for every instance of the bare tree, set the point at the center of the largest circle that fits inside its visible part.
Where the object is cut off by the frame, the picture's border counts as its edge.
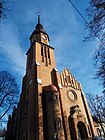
(6, 7)
(96, 27)
(2, 133)
(97, 108)
(100, 65)
(0, 9)
(96, 15)
(8, 92)
(3, 8)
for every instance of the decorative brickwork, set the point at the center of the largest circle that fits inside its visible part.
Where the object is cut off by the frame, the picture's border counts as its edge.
(68, 80)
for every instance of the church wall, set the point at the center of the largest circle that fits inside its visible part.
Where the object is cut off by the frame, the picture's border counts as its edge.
(32, 103)
(45, 68)
(68, 84)
(67, 103)
(89, 115)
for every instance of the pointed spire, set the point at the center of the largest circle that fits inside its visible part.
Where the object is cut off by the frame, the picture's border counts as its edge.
(38, 17)
(39, 26)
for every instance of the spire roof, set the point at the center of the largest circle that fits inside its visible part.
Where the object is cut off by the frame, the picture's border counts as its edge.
(38, 18)
(39, 26)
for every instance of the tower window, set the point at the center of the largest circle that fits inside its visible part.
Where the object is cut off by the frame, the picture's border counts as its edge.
(57, 124)
(49, 56)
(41, 50)
(55, 97)
(32, 40)
(37, 38)
(42, 54)
(45, 51)
(46, 59)
(48, 53)
(56, 136)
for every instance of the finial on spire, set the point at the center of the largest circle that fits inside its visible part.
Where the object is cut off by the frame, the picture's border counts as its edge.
(38, 17)
(39, 26)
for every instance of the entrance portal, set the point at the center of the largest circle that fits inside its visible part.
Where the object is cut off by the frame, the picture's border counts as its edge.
(82, 132)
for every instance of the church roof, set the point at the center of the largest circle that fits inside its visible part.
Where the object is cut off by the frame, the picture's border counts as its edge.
(50, 88)
(39, 28)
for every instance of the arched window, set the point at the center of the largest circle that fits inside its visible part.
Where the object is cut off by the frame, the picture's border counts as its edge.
(56, 136)
(41, 50)
(98, 132)
(45, 52)
(55, 97)
(82, 132)
(48, 53)
(49, 60)
(42, 53)
(57, 124)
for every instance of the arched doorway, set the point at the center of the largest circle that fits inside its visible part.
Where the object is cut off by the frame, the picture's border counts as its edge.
(82, 132)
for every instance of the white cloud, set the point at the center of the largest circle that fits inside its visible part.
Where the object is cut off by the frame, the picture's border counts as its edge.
(11, 47)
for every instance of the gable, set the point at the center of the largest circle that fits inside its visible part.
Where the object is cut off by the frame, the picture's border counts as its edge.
(68, 80)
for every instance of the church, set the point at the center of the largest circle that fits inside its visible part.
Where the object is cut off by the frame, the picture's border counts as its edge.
(52, 105)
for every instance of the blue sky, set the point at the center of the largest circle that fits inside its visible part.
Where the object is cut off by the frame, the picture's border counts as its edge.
(66, 30)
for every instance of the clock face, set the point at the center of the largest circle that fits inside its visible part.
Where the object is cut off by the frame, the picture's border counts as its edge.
(44, 37)
(71, 95)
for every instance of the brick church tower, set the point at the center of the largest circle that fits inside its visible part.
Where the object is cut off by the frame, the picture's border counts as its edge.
(52, 106)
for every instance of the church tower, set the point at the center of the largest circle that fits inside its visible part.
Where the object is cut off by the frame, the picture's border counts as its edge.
(52, 105)
(40, 65)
